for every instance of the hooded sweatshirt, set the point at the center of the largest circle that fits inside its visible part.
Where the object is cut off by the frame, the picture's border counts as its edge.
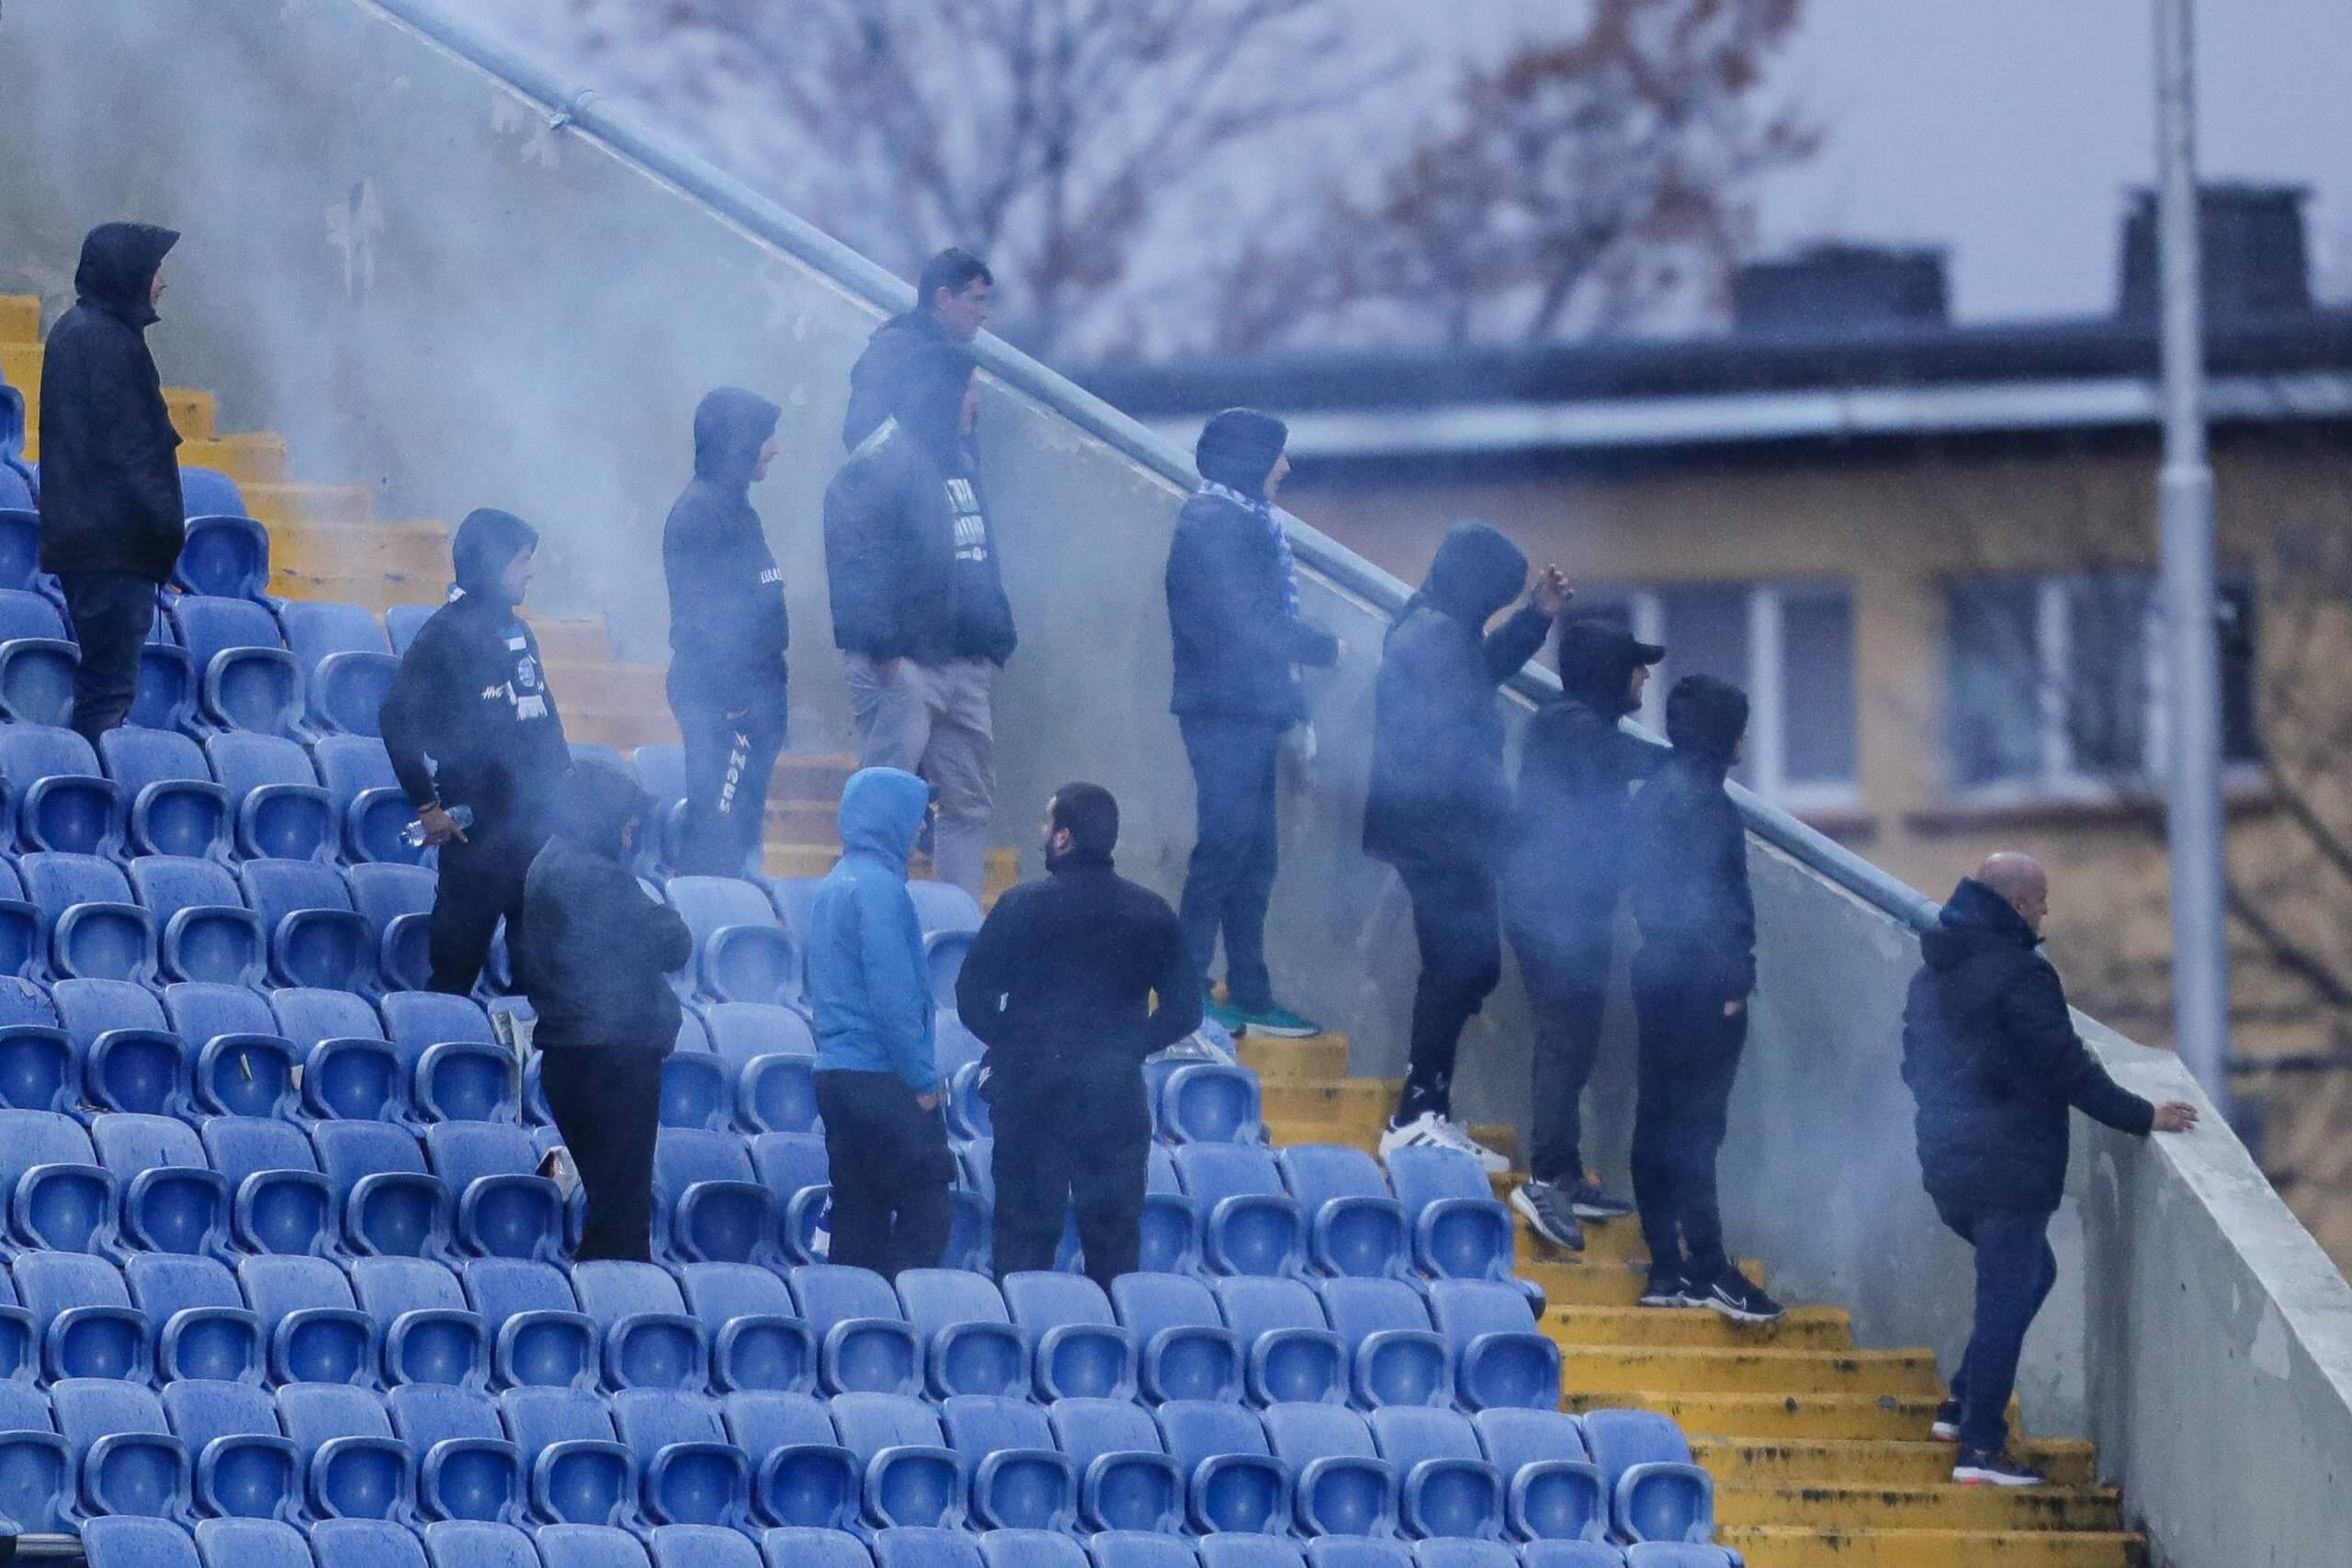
(1992, 1059)
(895, 347)
(596, 951)
(869, 986)
(727, 627)
(471, 694)
(110, 464)
(1439, 799)
(1687, 848)
(1576, 764)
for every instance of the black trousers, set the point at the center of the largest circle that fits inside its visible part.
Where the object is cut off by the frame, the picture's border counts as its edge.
(1564, 962)
(729, 761)
(608, 1104)
(891, 1173)
(1235, 851)
(480, 882)
(111, 611)
(2015, 1270)
(1068, 1143)
(1459, 931)
(1689, 1057)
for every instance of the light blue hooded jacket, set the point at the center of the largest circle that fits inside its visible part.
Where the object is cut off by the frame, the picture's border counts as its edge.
(868, 985)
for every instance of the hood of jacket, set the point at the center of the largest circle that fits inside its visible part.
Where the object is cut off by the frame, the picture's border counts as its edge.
(1705, 718)
(1598, 658)
(731, 426)
(1975, 919)
(926, 394)
(1476, 572)
(1239, 449)
(882, 810)
(599, 798)
(487, 541)
(118, 267)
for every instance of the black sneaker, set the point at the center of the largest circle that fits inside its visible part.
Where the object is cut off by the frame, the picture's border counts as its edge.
(1979, 1468)
(1946, 1428)
(1592, 1203)
(1667, 1289)
(1550, 1213)
(1740, 1299)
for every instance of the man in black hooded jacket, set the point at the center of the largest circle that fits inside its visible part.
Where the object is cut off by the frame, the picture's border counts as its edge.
(594, 957)
(1576, 767)
(471, 696)
(1439, 803)
(951, 307)
(111, 522)
(1991, 1056)
(727, 634)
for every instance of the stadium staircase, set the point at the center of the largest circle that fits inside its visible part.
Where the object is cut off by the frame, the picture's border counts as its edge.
(1819, 1450)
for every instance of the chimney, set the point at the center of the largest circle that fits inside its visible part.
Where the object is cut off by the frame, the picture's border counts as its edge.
(1830, 290)
(2255, 258)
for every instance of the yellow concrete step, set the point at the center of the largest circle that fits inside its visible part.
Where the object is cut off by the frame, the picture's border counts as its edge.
(1764, 1416)
(1320, 1060)
(1790, 1546)
(1710, 1369)
(20, 367)
(248, 458)
(19, 319)
(1572, 1283)
(1944, 1506)
(1620, 1239)
(638, 687)
(1576, 1327)
(1918, 1461)
(782, 859)
(193, 414)
(374, 590)
(811, 775)
(804, 822)
(570, 638)
(327, 505)
(1360, 1104)
(623, 727)
(416, 551)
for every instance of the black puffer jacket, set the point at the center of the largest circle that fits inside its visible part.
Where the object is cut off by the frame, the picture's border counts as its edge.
(109, 462)
(727, 626)
(891, 355)
(1576, 765)
(1994, 1061)
(1439, 798)
(1236, 641)
(596, 949)
(1686, 859)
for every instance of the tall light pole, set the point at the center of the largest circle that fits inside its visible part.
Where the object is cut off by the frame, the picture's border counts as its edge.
(2200, 962)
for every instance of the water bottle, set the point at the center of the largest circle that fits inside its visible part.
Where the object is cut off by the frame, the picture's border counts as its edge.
(413, 834)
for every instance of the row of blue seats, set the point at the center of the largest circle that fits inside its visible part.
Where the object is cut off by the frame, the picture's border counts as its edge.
(226, 552)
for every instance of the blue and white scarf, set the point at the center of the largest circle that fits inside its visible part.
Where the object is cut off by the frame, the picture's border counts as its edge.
(1258, 506)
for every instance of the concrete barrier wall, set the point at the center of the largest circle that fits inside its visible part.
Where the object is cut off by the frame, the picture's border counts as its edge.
(452, 278)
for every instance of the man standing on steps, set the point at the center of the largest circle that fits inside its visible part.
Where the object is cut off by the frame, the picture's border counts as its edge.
(918, 610)
(1576, 769)
(1059, 987)
(111, 520)
(727, 634)
(951, 307)
(469, 721)
(1439, 803)
(1990, 1055)
(1233, 613)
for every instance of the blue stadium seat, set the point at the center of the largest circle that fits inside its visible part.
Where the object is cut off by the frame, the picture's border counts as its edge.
(354, 1468)
(969, 1117)
(1133, 1548)
(812, 1549)
(916, 1548)
(943, 905)
(690, 1473)
(1080, 1350)
(428, 1333)
(80, 1316)
(347, 664)
(373, 809)
(131, 1060)
(316, 1331)
(465, 1468)
(174, 807)
(127, 1541)
(792, 1166)
(1448, 1487)
(1171, 1225)
(769, 1053)
(1499, 1358)
(275, 799)
(243, 1466)
(245, 678)
(717, 1212)
(542, 1339)
(316, 938)
(166, 697)
(226, 557)
(251, 1543)
(1126, 1479)
(1289, 1353)
(279, 1202)
(38, 1478)
(864, 1345)
(19, 1350)
(39, 1069)
(792, 898)
(474, 1543)
(202, 1327)
(243, 1066)
(1397, 1359)
(660, 771)
(172, 1202)
(1452, 1553)
(1030, 1548)
(1231, 1551)
(742, 952)
(701, 1546)
(952, 1045)
(1343, 1486)
(349, 1068)
(943, 956)
(1460, 1232)
(365, 1543)
(1210, 1103)
(58, 1195)
(62, 801)
(402, 622)
(1675, 1555)
(804, 1478)
(1556, 1493)
(1235, 1482)
(37, 662)
(970, 1343)
(397, 903)
(1184, 1350)
(392, 1206)
(649, 1340)
(913, 1478)
(129, 1460)
(96, 932)
(1601, 1554)
(504, 1208)
(1020, 1479)
(1655, 1492)
(206, 933)
(758, 1340)
(457, 1071)
(698, 1091)
(580, 1472)
(24, 933)
(1248, 1224)
(1353, 1226)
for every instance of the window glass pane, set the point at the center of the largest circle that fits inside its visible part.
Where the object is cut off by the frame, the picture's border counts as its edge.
(1817, 680)
(2241, 716)
(1706, 634)
(2107, 674)
(1993, 727)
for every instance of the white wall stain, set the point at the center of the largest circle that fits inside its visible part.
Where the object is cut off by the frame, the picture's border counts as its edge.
(353, 225)
(516, 119)
(2269, 1352)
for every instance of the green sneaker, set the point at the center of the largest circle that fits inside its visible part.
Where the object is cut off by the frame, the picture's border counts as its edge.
(1224, 1016)
(1279, 1024)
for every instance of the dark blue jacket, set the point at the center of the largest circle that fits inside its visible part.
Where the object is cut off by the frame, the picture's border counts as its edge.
(869, 988)
(1236, 641)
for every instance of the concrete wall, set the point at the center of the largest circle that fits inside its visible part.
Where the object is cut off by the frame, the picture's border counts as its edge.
(395, 257)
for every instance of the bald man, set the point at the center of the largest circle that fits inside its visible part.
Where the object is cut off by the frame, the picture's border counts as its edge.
(1992, 1057)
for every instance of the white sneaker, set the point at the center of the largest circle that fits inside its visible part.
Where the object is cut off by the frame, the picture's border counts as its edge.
(1431, 1130)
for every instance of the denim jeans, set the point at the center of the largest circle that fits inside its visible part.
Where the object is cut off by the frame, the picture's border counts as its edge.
(1232, 877)
(2015, 1268)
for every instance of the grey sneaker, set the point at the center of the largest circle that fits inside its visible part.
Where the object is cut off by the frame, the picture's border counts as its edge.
(1976, 1467)
(1592, 1203)
(1550, 1213)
